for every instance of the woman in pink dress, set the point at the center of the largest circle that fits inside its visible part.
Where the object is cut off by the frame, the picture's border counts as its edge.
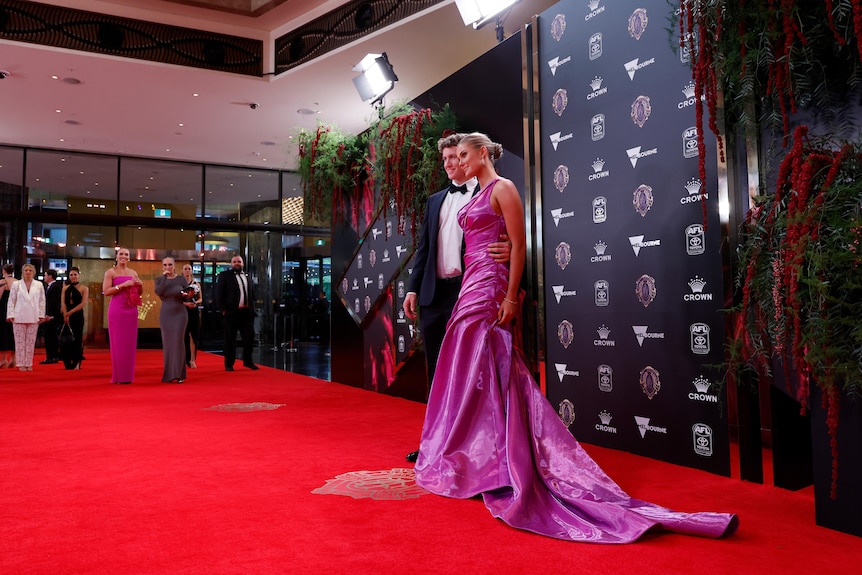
(124, 286)
(488, 428)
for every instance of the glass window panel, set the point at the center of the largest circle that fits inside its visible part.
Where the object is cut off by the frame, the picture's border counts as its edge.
(71, 182)
(242, 195)
(11, 177)
(160, 189)
(292, 202)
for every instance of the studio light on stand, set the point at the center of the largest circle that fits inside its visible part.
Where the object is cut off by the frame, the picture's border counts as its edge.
(376, 80)
(482, 12)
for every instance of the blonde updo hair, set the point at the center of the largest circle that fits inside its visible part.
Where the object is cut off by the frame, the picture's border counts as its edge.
(477, 140)
(30, 267)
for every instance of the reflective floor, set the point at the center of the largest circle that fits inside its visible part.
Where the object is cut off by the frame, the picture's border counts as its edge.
(306, 358)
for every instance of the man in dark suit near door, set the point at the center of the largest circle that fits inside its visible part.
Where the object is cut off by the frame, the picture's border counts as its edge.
(437, 265)
(53, 317)
(235, 300)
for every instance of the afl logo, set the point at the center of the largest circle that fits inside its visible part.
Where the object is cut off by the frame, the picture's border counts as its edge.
(694, 240)
(600, 207)
(606, 378)
(603, 295)
(702, 437)
(699, 338)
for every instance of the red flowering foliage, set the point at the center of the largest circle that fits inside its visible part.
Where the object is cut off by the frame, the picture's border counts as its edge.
(801, 280)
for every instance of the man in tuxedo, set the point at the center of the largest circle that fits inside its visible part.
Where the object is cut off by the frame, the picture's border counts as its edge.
(235, 300)
(53, 317)
(437, 265)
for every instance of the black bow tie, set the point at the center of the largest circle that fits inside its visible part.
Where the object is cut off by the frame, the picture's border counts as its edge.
(237, 272)
(453, 188)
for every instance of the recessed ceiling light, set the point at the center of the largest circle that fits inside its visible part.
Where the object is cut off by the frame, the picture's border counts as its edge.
(72, 122)
(306, 111)
(267, 143)
(72, 81)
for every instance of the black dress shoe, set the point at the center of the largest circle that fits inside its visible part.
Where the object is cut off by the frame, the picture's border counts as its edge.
(251, 366)
(228, 368)
(412, 456)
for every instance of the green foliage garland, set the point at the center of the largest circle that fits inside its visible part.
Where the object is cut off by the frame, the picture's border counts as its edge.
(398, 152)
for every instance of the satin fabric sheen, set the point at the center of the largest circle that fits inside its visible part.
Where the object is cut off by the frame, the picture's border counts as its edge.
(489, 430)
(122, 334)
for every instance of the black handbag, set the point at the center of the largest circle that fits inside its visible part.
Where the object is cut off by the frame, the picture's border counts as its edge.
(66, 337)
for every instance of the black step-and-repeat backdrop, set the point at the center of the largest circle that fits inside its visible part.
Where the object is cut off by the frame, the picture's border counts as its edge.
(366, 290)
(633, 277)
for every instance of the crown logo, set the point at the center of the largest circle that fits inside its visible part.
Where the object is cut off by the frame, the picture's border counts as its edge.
(688, 90)
(701, 384)
(598, 164)
(693, 186)
(605, 417)
(697, 284)
(597, 81)
(604, 332)
(145, 307)
(600, 248)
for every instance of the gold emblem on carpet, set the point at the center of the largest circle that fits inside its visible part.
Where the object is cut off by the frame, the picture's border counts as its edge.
(392, 485)
(254, 406)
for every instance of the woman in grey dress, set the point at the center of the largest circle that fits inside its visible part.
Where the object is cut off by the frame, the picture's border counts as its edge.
(172, 321)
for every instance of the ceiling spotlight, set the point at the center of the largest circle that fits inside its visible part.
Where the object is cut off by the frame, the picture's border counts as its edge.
(481, 12)
(377, 78)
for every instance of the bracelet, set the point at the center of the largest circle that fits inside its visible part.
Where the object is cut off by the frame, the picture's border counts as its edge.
(510, 301)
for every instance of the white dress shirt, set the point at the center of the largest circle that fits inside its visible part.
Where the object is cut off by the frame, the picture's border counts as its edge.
(450, 236)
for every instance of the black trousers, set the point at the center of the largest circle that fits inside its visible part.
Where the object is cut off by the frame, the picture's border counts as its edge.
(241, 320)
(433, 319)
(51, 331)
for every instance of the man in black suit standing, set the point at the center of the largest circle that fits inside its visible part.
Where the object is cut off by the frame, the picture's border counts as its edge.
(235, 300)
(437, 265)
(53, 317)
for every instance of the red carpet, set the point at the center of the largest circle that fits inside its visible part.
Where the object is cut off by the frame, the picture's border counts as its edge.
(218, 475)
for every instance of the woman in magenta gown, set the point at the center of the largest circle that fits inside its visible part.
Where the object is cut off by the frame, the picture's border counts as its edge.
(488, 428)
(124, 286)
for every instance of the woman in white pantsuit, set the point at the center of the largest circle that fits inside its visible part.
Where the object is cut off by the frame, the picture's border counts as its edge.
(26, 310)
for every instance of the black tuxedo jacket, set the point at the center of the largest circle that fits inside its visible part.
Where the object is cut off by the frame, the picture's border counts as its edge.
(52, 299)
(227, 291)
(424, 276)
